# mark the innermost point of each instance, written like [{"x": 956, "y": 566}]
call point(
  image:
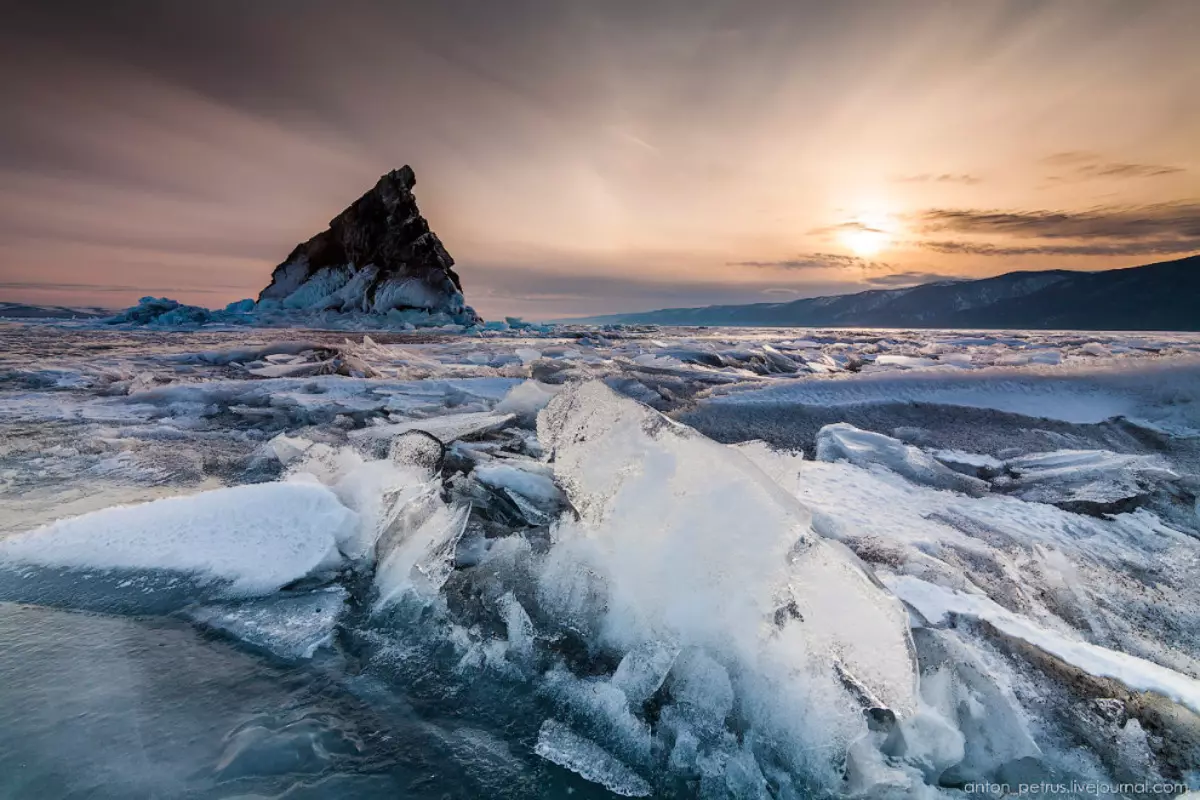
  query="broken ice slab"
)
[
  {"x": 977, "y": 465},
  {"x": 560, "y": 745},
  {"x": 448, "y": 428},
  {"x": 843, "y": 441},
  {"x": 1088, "y": 481},
  {"x": 288, "y": 626},
  {"x": 936, "y": 603},
  {"x": 694, "y": 544},
  {"x": 643, "y": 670}
]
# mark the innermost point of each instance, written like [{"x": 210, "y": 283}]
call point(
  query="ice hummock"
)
[{"x": 697, "y": 548}]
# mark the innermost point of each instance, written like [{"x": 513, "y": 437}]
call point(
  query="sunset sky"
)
[{"x": 597, "y": 156}]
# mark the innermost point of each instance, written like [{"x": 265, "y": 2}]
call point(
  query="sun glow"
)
[
  {"x": 864, "y": 241},
  {"x": 867, "y": 234}
]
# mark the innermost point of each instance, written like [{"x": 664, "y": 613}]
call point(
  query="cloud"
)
[
  {"x": 1115, "y": 249},
  {"x": 816, "y": 261},
  {"x": 1167, "y": 221},
  {"x": 1158, "y": 229},
  {"x": 1086, "y": 165},
  {"x": 945, "y": 177},
  {"x": 1070, "y": 157},
  {"x": 845, "y": 226}
]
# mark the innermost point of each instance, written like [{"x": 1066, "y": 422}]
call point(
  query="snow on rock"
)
[
  {"x": 258, "y": 538},
  {"x": 377, "y": 256},
  {"x": 843, "y": 441}
]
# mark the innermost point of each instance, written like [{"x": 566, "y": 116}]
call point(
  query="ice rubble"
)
[
  {"x": 256, "y": 538},
  {"x": 308, "y": 310}
]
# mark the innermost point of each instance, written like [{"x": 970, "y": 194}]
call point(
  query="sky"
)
[{"x": 592, "y": 156}]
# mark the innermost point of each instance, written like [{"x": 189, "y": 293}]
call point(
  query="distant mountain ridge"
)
[{"x": 1161, "y": 296}]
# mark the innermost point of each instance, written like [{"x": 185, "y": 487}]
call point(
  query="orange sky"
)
[{"x": 589, "y": 157}]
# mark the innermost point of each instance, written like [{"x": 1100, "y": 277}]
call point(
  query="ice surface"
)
[
  {"x": 258, "y": 538},
  {"x": 680, "y": 613},
  {"x": 1156, "y": 394},
  {"x": 560, "y": 745}
]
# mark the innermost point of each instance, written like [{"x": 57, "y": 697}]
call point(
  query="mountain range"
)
[{"x": 1162, "y": 296}]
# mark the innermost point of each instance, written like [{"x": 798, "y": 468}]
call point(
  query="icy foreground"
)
[{"x": 916, "y": 564}]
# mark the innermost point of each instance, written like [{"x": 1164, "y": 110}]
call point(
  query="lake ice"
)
[{"x": 596, "y": 562}]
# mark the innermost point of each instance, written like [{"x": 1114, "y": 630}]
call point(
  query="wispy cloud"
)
[
  {"x": 1170, "y": 221},
  {"x": 1085, "y": 165},
  {"x": 842, "y": 227},
  {"x": 1115, "y": 249},
  {"x": 1159, "y": 229},
  {"x": 945, "y": 177},
  {"x": 816, "y": 261}
]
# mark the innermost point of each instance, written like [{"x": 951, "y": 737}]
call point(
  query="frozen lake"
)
[{"x": 643, "y": 562}]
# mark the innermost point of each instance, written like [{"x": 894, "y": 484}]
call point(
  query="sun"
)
[
  {"x": 865, "y": 241},
  {"x": 867, "y": 234}
]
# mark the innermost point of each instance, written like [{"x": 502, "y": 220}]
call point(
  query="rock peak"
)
[{"x": 377, "y": 256}]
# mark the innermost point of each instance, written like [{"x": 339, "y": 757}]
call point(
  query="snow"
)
[
  {"x": 258, "y": 538},
  {"x": 936, "y": 602}
]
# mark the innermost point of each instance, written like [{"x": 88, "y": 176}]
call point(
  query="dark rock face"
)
[{"x": 376, "y": 256}]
